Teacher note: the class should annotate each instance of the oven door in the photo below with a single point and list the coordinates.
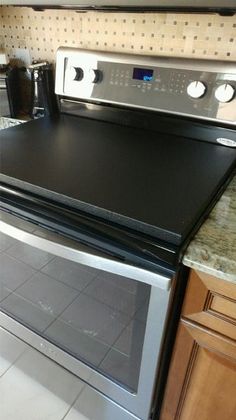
(100, 318)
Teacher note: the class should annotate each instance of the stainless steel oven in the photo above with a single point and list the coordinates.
(97, 210)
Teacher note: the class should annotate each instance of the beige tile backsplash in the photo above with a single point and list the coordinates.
(183, 35)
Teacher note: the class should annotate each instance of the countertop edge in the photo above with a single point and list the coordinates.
(208, 270)
(213, 249)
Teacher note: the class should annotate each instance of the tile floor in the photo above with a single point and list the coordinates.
(33, 387)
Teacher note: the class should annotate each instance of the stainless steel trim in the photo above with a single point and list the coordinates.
(134, 59)
(81, 254)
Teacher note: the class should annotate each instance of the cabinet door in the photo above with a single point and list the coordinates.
(202, 378)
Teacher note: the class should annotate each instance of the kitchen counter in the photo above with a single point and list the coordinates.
(8, 122)
(213, 249)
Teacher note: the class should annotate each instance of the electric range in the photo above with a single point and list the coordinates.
(98, 205)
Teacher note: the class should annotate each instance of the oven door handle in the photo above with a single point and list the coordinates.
(74, 251)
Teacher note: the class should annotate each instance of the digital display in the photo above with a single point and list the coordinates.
(143, 74)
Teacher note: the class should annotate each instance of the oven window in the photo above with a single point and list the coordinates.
(98, 317)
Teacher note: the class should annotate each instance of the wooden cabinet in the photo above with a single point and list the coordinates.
(201, 382)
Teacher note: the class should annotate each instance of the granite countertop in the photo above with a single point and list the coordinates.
(8, 122)
(213, 249)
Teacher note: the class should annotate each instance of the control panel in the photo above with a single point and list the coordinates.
(197, 88)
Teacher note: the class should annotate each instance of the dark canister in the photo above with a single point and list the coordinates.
(43, 99)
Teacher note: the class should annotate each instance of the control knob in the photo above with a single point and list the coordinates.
(196, 89)
(225, 93)
(93, 76)
(77, 73)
